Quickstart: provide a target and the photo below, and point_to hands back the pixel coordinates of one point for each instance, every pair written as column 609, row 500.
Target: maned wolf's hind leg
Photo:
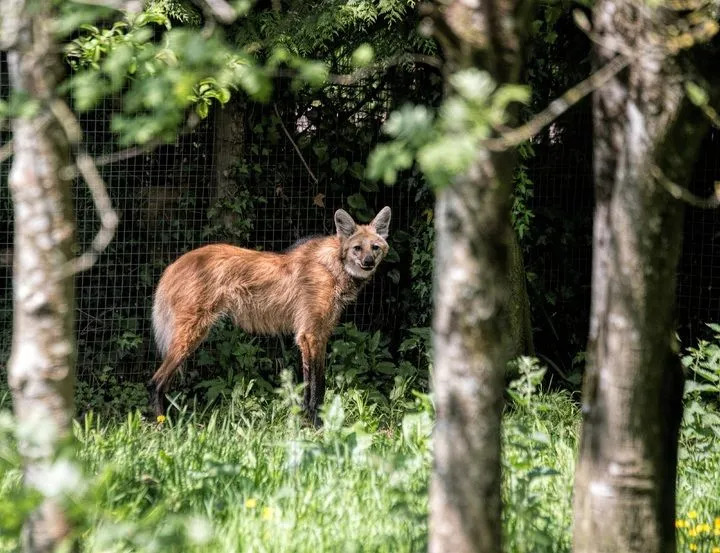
column 313, row 363
column 185, row 340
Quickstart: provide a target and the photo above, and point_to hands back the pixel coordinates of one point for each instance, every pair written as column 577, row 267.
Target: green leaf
column 357, row 170
column 339, row 165
column 202, row 108
column 696, row 94
column 363, row 55
column 369, row 186
column 412, row 124
column 446, row 158
column 386, row 160
column 357, row 201
column 473, row 85
column 315, row 73
column 508, row 94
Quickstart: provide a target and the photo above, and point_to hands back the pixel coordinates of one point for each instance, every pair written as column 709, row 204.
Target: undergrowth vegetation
column 243, row 472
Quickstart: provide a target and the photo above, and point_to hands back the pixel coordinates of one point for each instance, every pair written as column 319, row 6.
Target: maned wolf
column 302, row 291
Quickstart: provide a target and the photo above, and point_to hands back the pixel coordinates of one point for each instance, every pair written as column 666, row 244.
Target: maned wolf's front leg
column 313, row 363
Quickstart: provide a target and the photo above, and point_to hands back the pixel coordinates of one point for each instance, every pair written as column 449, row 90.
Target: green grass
column 248, row 475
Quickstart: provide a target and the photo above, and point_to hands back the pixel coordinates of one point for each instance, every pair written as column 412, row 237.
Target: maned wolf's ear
column 344, row 224
column 381, row 222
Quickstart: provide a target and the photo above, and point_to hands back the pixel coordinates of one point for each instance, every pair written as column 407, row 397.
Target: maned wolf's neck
column 327, row 251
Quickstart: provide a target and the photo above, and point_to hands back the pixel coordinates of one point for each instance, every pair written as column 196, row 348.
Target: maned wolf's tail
column 162, row 318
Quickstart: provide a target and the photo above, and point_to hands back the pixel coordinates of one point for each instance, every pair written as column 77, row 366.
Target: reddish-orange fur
column 301, row 291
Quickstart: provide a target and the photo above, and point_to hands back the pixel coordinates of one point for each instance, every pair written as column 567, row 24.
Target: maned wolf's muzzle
column 368, row 262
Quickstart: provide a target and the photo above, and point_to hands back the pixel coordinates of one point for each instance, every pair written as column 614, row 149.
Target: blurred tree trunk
column 472, row 338
column 521, row 336
column 41, row 366
column 625, row 479
column 229, row 136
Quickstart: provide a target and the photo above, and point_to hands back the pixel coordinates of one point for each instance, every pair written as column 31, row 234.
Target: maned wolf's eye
column 375, row 247
column 357, row 248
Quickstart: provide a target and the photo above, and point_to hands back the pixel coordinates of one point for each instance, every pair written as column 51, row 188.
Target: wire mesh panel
column 559, row 249
column 6, row 236
column 299, row 159
column 699, row 270
column 161, row 198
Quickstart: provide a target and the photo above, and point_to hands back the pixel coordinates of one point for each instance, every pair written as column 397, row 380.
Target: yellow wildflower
column 717, row 522
column 716, row 550
column 705, row 528
column 692, row 533
column 267, row 513
column 692, row 514
column 717, row 532
column 679, row 523
column 161, row 419
column 251, row 503
column 693, row 547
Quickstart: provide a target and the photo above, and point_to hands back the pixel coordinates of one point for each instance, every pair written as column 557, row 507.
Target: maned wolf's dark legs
column 313, row 363
column 185, row 340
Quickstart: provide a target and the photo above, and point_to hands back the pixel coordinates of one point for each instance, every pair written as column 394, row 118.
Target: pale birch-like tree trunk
column 41, row 365
column 472, row 318
column 626, row 474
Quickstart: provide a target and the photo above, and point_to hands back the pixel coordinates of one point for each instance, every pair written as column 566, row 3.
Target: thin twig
column 681, row 193
column 106, row 214
column 312, row 175
column 87, row 168
column 64, row 115
column 558, row 106
column 6, row 151
column 133, row 151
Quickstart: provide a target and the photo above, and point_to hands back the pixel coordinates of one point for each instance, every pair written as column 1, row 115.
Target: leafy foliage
column 523, row 191
column 250, row 476
column 333, row 30
column 445, row 145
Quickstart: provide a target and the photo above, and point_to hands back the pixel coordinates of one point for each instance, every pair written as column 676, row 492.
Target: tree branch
column 558, row 106
column 129, row 153
column 683, row 194
column 103, row 206
column 6, row 151
column 219, row 10
column 312, row 175
column 106, row 213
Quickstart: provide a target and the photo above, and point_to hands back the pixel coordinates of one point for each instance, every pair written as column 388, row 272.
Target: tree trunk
column 472, row 315
column 229, row 136
column 625, row 479
column 471, row 347
column 521, row 336
column 41, row 365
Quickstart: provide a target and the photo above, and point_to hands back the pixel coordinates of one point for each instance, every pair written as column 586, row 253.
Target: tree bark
column 471, row 348
column 625, row 479
column 42, row 361
column 472, row 315
column 229, row 137
column 521, row 334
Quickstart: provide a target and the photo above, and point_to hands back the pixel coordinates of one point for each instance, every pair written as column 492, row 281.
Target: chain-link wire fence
column 264, row 175
column 255, row 175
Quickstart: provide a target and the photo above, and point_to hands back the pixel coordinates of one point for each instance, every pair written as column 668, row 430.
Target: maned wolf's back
column 263, row 292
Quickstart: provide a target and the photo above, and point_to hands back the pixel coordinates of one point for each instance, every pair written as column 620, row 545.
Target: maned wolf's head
column 362, row 246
